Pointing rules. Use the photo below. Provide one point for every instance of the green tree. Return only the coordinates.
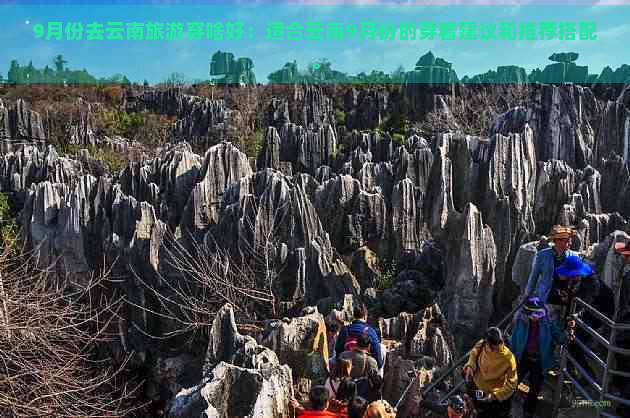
(59, 63)
(48, 75)
(15, 73)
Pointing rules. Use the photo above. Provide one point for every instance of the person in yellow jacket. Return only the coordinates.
(492, 368)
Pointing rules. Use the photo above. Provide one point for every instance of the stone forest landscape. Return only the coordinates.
(183, 249)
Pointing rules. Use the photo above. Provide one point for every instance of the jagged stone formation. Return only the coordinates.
(287, 74)
(503, 74)
(424, 343)
(233, 70)
(432, 70)
(368, 108)
(340, 213)
(241, 378)
(18, 121)
(199, 118)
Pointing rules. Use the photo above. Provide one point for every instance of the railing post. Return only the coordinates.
(557, 393)
(609, 360)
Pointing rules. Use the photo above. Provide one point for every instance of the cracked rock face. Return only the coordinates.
(268, 207)
(561, 118)
(301, 343)
(470, 278)
(329, 207)
(425, 344)
(241, 378)
(18, 121)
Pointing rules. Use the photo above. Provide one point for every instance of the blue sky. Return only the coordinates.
(155, 60)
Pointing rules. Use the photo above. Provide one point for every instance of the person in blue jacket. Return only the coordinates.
(541, 277)
(533, 341)
(347, 338)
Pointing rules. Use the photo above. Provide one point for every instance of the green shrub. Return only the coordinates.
(117, 122)
(397, 123)
(340, 117)
(113, 160)
(399, 138)
(387, 277)
(253, 147)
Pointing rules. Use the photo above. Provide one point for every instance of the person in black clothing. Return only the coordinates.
(371, 388)
(357, 407)
(576, 280)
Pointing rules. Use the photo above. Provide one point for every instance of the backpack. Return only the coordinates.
(351, 339)
(362, 383)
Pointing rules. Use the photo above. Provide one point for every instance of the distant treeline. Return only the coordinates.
(59, 74)
(225, 68)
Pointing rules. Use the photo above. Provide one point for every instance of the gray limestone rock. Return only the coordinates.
(470, 276)
(82, 130)
(240, 378)
(301, 343)
(562, 118)
(351, 216)
(307, 149)
(615, 186)
(270, 153)
(554, 186)
(614, 131)
(18, 121)
(507, 202)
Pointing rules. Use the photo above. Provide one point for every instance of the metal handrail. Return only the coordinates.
(434, 383)
(603, 388)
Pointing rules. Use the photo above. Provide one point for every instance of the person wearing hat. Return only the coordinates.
(575, 279)
(456, 407)
(541, 277)
(492, 376)
(533, 340)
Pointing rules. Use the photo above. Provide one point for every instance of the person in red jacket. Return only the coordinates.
(319, 400)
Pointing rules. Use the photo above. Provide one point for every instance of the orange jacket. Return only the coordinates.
(317, 414)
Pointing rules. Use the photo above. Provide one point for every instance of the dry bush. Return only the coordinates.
(475, 109)
(208, 275)
(112, 94)
(48, 339)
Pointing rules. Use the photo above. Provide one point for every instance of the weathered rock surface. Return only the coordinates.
(305, 149)
(425, 341)
(301, 343)
(506, 200)
(368, 108)
(562, 119)
(268, 207)
(18, 121)
(352, 217)
(614, 130)
(470, 277)
(241, 378)
(199, 118)
(328, 217)
(82, 130)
